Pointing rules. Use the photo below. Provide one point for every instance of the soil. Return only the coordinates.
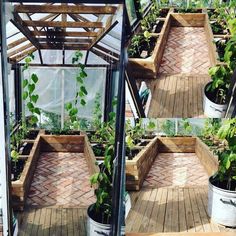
(63, 132)
(221, 45)
(26, 148)
(144, 143)
(98, 216)
(212, 96)
(32, 134)
(183, 10)
(159, 26)
(132, 153)
(163, 13)
(223, 184)
(99, 150)
(211, 12)
(16, 169)
(218, 29)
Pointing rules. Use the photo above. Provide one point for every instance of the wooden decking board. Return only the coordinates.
(173, 209)
(196, 215)
(53, 222)
(182, 215)
(183, 234)
(202, 212)
(177, 96)
(139, 217)
(146, 217)
(155, 211)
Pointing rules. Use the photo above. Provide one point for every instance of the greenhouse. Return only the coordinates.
(118, 118)
(175, 49)
(62, 86)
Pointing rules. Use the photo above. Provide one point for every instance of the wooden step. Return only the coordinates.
(184, 234)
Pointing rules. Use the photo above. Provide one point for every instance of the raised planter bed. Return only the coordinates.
(148, 68)
(138, 168)
(49, 143)
(21, 186)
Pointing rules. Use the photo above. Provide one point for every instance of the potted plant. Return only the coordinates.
(222, 185)
(216, 92)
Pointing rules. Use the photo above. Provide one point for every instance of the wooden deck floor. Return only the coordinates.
(171, 209)
(177, 96)
(53, 222)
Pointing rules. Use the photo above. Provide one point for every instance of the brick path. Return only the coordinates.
(61, 179)
(186, 52)
(176, 169)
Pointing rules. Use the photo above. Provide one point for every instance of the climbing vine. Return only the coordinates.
(72, 107)
(29, 94)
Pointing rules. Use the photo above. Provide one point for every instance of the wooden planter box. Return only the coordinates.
(139, 68)
(138, 168)
(20, 188)
(50, 143)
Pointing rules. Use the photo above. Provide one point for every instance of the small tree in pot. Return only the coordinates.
(216, 91)
(222, 186)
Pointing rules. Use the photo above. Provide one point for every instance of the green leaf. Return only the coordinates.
(79, 79)
(94, 178)
(28, 60)
(83, 74)
(31, 88)
(25, 95)
(68, 106)
(37, 111)
(81, 94)
(82, 102)
(33, 120)
(83, 89)
(25, 83)
(34, 98)
(73, 111)
(35, 78)
(30, 106)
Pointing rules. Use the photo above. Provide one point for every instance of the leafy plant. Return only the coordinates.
(135, 45)
(29, 95)
(103, 180)
(72, 107)
(227, 158)
(97, 113)
(187, 128)
(221, 76)
(151, 126)
(168, 127)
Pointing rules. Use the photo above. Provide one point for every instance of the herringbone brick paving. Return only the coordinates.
(176, 169)
(61, 179)
(186, 52)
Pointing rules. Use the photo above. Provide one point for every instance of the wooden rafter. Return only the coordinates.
(69, 40)
(18, 50)
(61, 9)
(65, 46)
(61, 34)
(76, 19)
(102, 32)
(22, 55)
(16, 43)
(63, 24)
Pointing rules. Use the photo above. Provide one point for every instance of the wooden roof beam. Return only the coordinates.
(61, 9)
(64, 34)
(61, 24)
(22, 55)
(65, 46)
(69, 40)
(16, 51)
(102, 32)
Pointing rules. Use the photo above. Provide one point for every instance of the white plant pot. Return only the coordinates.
(211, 109)
(97, 229)
(221, 205)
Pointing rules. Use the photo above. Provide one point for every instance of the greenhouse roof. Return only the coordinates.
(41, 27)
